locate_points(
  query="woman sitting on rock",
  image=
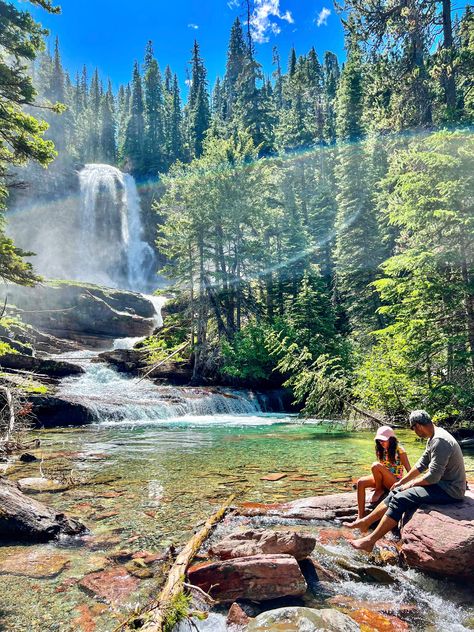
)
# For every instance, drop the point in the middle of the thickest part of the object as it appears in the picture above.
(387, 470)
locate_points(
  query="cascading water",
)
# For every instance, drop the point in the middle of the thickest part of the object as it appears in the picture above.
(112, 250)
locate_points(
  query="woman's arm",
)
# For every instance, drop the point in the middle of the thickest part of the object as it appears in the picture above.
(404, 460)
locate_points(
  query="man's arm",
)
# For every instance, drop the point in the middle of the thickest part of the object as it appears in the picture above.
(441, 451)
(412, 474)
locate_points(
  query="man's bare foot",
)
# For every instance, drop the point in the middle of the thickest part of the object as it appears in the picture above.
(363, 544)
(360, 524)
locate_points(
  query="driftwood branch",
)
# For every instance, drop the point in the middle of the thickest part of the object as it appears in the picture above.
(175, 581)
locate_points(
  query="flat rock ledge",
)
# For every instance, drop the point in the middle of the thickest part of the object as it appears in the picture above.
(25, 519)
(258, 577)
(440, 539)
(437, 539)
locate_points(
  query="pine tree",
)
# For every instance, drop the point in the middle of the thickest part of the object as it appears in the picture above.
(135, 127)
(357, 250)
(108, 127)
(198, 109)
(237, 58)
(154, 142)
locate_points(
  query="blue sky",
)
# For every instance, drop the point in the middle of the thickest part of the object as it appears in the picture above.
(111, 34)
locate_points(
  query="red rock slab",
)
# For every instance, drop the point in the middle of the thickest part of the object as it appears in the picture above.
(264, 541)
(440, 539)
(273, 477)
(327, 507)
(113, 585)
(257, 577)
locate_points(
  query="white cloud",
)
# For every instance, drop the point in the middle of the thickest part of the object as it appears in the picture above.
(193, 26)
(262, 21)
(232, 4)
(322, 18)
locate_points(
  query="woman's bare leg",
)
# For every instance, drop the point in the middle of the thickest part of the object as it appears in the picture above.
(362, 484)
(384, 479)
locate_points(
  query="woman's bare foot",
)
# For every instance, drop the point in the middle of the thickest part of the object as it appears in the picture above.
(360, 524)
(376, 496)
(363, 544)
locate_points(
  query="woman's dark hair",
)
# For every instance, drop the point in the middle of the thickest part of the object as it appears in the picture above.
(391, 450)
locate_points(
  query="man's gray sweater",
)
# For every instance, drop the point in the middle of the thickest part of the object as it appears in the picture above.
(444, 461)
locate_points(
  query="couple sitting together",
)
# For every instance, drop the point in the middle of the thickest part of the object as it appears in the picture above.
(439, 477)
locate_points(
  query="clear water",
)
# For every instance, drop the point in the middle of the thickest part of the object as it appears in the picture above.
(160, 479)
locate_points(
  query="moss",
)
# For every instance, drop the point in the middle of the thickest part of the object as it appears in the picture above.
(5, 348)
(177, 611)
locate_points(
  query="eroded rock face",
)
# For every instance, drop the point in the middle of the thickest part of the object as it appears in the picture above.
(440, 538)
(258, 577)
(297, 619)
(327, 507)
(257, 542)
(24, 519)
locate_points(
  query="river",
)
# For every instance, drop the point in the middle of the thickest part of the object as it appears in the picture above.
(157, 462)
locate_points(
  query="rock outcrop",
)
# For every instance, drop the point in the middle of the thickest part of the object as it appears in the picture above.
(50, 411)
(47, 368)
(329, 507)
(440, 539)
(264, 542)
(83, 312)
(258, 577)
(25, 519)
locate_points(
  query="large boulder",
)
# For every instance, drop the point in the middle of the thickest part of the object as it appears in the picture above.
(24, 519)
(329, 507)
(50, 411)
(135, 361)
(300, 619)
(258, 542)
(440, 538)
(258, 578)
(81, 311)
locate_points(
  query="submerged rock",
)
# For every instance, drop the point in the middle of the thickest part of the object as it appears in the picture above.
(440, 538)
(37, 485)
(23, 518)
(257, 577)
(113, 585)
(299, 619)
(35, 564)
(256, 542)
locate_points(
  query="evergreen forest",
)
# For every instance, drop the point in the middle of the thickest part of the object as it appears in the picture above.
(316, 225)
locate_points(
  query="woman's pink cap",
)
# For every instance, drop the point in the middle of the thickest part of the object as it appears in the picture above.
(384, 433)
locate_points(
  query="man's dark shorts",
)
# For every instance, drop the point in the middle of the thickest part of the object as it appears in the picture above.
(398, 502)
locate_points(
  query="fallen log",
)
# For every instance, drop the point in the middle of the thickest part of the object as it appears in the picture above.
(175, 581)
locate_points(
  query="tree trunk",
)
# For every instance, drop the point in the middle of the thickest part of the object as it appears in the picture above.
(448, 78)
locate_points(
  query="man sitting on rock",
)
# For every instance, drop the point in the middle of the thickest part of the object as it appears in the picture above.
(439, 477)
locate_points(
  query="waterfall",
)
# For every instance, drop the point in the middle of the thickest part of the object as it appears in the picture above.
(111, 247)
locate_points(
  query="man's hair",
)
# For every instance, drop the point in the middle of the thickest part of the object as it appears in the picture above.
(419, 417)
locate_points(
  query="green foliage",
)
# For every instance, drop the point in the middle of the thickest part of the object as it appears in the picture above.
(247, 357)
(177, 611)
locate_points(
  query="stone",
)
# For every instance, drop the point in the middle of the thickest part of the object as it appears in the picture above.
(300, 619)
(382, 607)
(236, 616)
(38, 485)
(329, 507)
(34, 564)
(28, 458)
(24, 518)
(50, 368)
(440, 539)
(273, 477)
(114, 585)
(369, 620)
(256, 542)
(257, 577)
(50, 411)
(139, 569)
